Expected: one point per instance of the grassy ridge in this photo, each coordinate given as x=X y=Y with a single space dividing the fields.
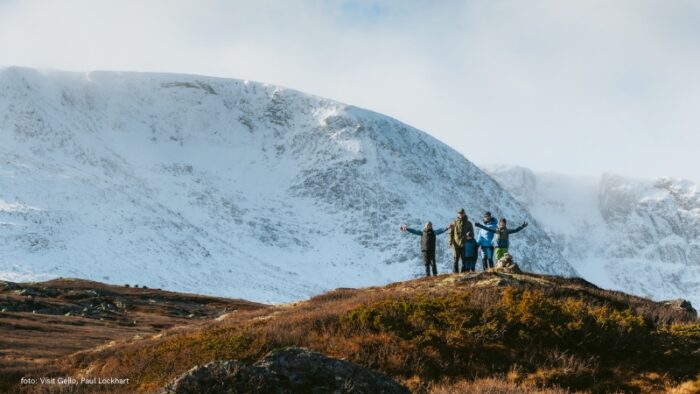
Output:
x=438 y=334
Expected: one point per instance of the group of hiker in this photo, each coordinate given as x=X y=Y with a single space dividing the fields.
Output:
x=492 y=239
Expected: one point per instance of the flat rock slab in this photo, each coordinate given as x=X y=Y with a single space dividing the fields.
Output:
x=292 y=370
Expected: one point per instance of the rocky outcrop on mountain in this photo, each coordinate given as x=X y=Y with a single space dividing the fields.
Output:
x=641 y=236
x=286 y=371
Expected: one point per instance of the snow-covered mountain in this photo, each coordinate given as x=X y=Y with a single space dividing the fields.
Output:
x=636 y=235
x=223 y=186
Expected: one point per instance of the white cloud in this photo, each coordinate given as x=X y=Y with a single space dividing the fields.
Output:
x=570 y=86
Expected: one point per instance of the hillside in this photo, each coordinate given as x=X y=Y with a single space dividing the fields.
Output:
x=43 y=321
x=452 y=333
x=641 y=236
x=224 y=187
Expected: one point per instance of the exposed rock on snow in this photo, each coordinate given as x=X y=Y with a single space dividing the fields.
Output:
x=635 y=235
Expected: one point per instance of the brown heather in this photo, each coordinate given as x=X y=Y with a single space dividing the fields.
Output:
x=490 y=333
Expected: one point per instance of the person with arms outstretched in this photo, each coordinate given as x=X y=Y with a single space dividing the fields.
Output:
x=427 y=244
x=485 y=240
x=500 y=240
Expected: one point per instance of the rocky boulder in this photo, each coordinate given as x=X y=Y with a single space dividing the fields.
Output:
x=506 y=264
x=681 y=304
x=285 y=371
x=225 y=377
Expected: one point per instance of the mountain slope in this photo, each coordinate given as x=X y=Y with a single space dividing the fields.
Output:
x=639 y=236
x=223 y=187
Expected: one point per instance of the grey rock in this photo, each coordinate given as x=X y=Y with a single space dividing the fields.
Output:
x=224 y=377
x=506 y=264
x=5 y=285
x=681 y=304
x=293 y=370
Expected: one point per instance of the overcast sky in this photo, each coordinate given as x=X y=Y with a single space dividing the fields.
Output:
x=564 y=86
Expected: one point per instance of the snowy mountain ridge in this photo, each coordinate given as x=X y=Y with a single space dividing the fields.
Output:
x=637 y=235
x=224 y=187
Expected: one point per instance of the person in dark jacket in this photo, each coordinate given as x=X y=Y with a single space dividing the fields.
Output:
x=458 y=235
x=500 y=240
x=485 y=240
x=471 y=254
x=427 y=244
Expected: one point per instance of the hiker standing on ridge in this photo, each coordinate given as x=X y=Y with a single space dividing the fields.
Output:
x=500 y=240
x=458 y=235
x=471 y=254
x=427 y=244
x=486 y=240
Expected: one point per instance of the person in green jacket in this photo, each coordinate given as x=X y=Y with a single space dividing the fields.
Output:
x=458 y=236
x=500 y=240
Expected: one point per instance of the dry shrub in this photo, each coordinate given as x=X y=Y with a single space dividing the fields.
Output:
x=688 y=387
x=491 y=386
x=427 y=332
x=564 y=369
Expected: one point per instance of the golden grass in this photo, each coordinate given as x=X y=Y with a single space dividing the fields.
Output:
x=443 y=335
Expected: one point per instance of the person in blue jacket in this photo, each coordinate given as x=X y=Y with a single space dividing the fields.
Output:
x=471 y=253
x=427 y=244
x=486 y=240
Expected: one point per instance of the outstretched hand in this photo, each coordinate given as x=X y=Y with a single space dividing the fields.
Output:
x=524 y=224
x=403 y=228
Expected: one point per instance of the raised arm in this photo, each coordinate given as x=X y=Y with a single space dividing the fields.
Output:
x=414 y=231
x=515 y=230
x=440 y=230
x=481 y=226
